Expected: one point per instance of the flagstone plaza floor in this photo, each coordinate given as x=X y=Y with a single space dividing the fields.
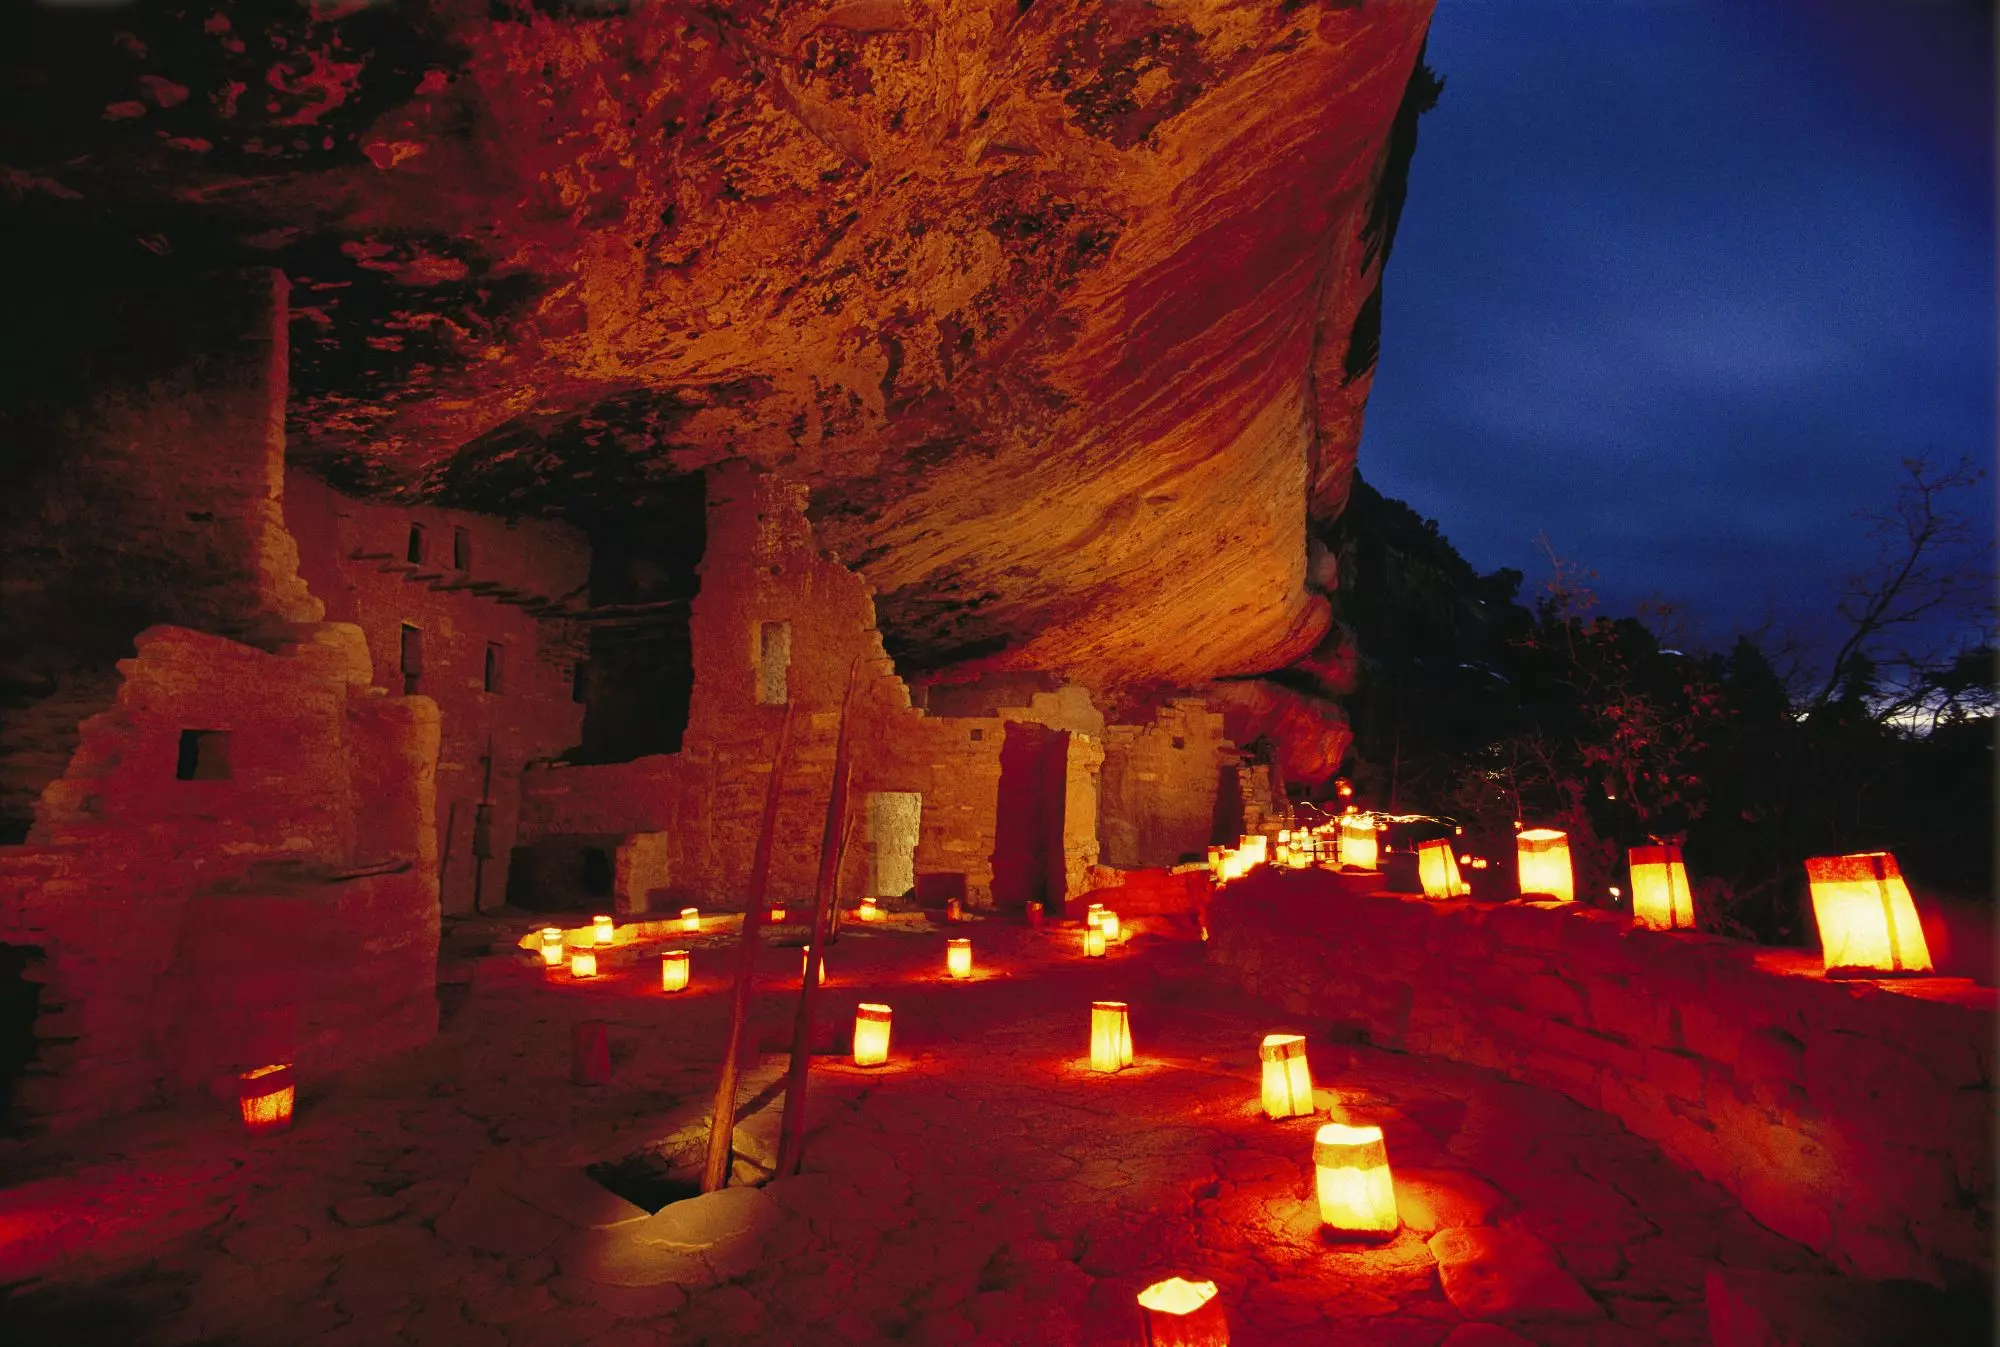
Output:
x=984 y=1186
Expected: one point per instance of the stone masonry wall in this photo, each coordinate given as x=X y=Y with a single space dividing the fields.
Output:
x=1159 y=784
x=354 y=554
x=1855 y=1117
x=763 y=565
x=147 y=494
x=283 y=908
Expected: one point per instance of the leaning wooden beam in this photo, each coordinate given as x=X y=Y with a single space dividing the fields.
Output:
x=722 y=1125
x=826 y=896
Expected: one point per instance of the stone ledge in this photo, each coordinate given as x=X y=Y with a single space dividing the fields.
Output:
x=1854 y=1116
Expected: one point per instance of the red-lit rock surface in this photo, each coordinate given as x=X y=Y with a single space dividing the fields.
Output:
x=1066 y=312
x=1857 y=1117
x=983 y=1187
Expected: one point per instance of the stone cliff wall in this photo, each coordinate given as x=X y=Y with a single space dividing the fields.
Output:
x=1854 y=1117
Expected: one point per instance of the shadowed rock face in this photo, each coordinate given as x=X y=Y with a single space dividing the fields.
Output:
x=1061 y=309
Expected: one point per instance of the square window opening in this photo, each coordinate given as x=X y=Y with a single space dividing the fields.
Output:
x=203 y=756
x=415 y=552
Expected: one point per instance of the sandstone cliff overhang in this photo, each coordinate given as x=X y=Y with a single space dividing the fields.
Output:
x=1064 y=311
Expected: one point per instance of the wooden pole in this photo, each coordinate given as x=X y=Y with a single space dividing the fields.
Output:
x=832 y=850
x=722 y=1126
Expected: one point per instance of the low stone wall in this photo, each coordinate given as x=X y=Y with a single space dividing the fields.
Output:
x=1854 y=1117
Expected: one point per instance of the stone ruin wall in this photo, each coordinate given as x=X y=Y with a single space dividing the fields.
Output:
x=354 y=555
x=705 y=804
x=1159 y=786
x=193 y=929
x=1854 y=1117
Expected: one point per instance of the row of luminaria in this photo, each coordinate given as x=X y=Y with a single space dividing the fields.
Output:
x=1867 y=920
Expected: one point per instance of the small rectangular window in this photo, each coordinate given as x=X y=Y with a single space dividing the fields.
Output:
x=204 y=756
x=1179 y=742
x=461 y=549
x=579 y=682
x=411 y=659
x=774 y=662
x=415 y=553
x=493 y=658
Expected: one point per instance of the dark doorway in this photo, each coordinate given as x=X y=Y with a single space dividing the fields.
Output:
x=1028 y=826
x=1228 y=828
x=571 y=873
x=20 y=1003
x=596 y=872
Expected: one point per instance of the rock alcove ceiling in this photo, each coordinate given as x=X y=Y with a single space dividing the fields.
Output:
x=1065 y=312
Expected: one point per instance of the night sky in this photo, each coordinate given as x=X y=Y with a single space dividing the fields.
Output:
x=1681 y=283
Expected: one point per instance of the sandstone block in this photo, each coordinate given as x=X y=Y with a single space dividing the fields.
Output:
x=1507 y=1274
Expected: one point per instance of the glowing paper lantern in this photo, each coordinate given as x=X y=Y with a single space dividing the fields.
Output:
x=602 y=929
x=1438 y=869
x=1093 y=942
x=868 y=910
x=674 y=970
x=1179 y=1313
x=1351 y=1174
x=1288 y=1082
x=1867 y=920
x=583 y=963
x=266 y=1096
x=1543 y=855
x=805 y=963
x=1094 y=914
x=1256 y=850
x=958 y=958
x=1034 y=913
x=954 y=909
x=552 y=946
x=1660 y=895
x=1357 y=841
x=1107 y=922
x=1110 y=1036
x=691 y=919
x=871 y=1034
x=777 y=913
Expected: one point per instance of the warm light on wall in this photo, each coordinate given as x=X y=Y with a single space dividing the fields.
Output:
x=1093 y=942
x=674 y=970
x=871 y=1034
x=266 y=1096
x=583 y=963
x=1351 y=1174
x=1288 y=1082
x=552 y=946
x=1179 y=1313
x=691 y=919
x=1543 y=858
x=1660 y=895
x=1357 y=841
x=958 y=958
x=602 y=930
x=1867 y=920
x=1438 y=869
x=1110 y=1036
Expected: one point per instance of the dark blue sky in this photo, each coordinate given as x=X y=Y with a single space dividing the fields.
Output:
x=1681 y=282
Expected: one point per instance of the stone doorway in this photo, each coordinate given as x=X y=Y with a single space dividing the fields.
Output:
x=895 y=819
x=20 y=1003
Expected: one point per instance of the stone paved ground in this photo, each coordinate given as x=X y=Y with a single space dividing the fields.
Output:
x=983 y=1187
